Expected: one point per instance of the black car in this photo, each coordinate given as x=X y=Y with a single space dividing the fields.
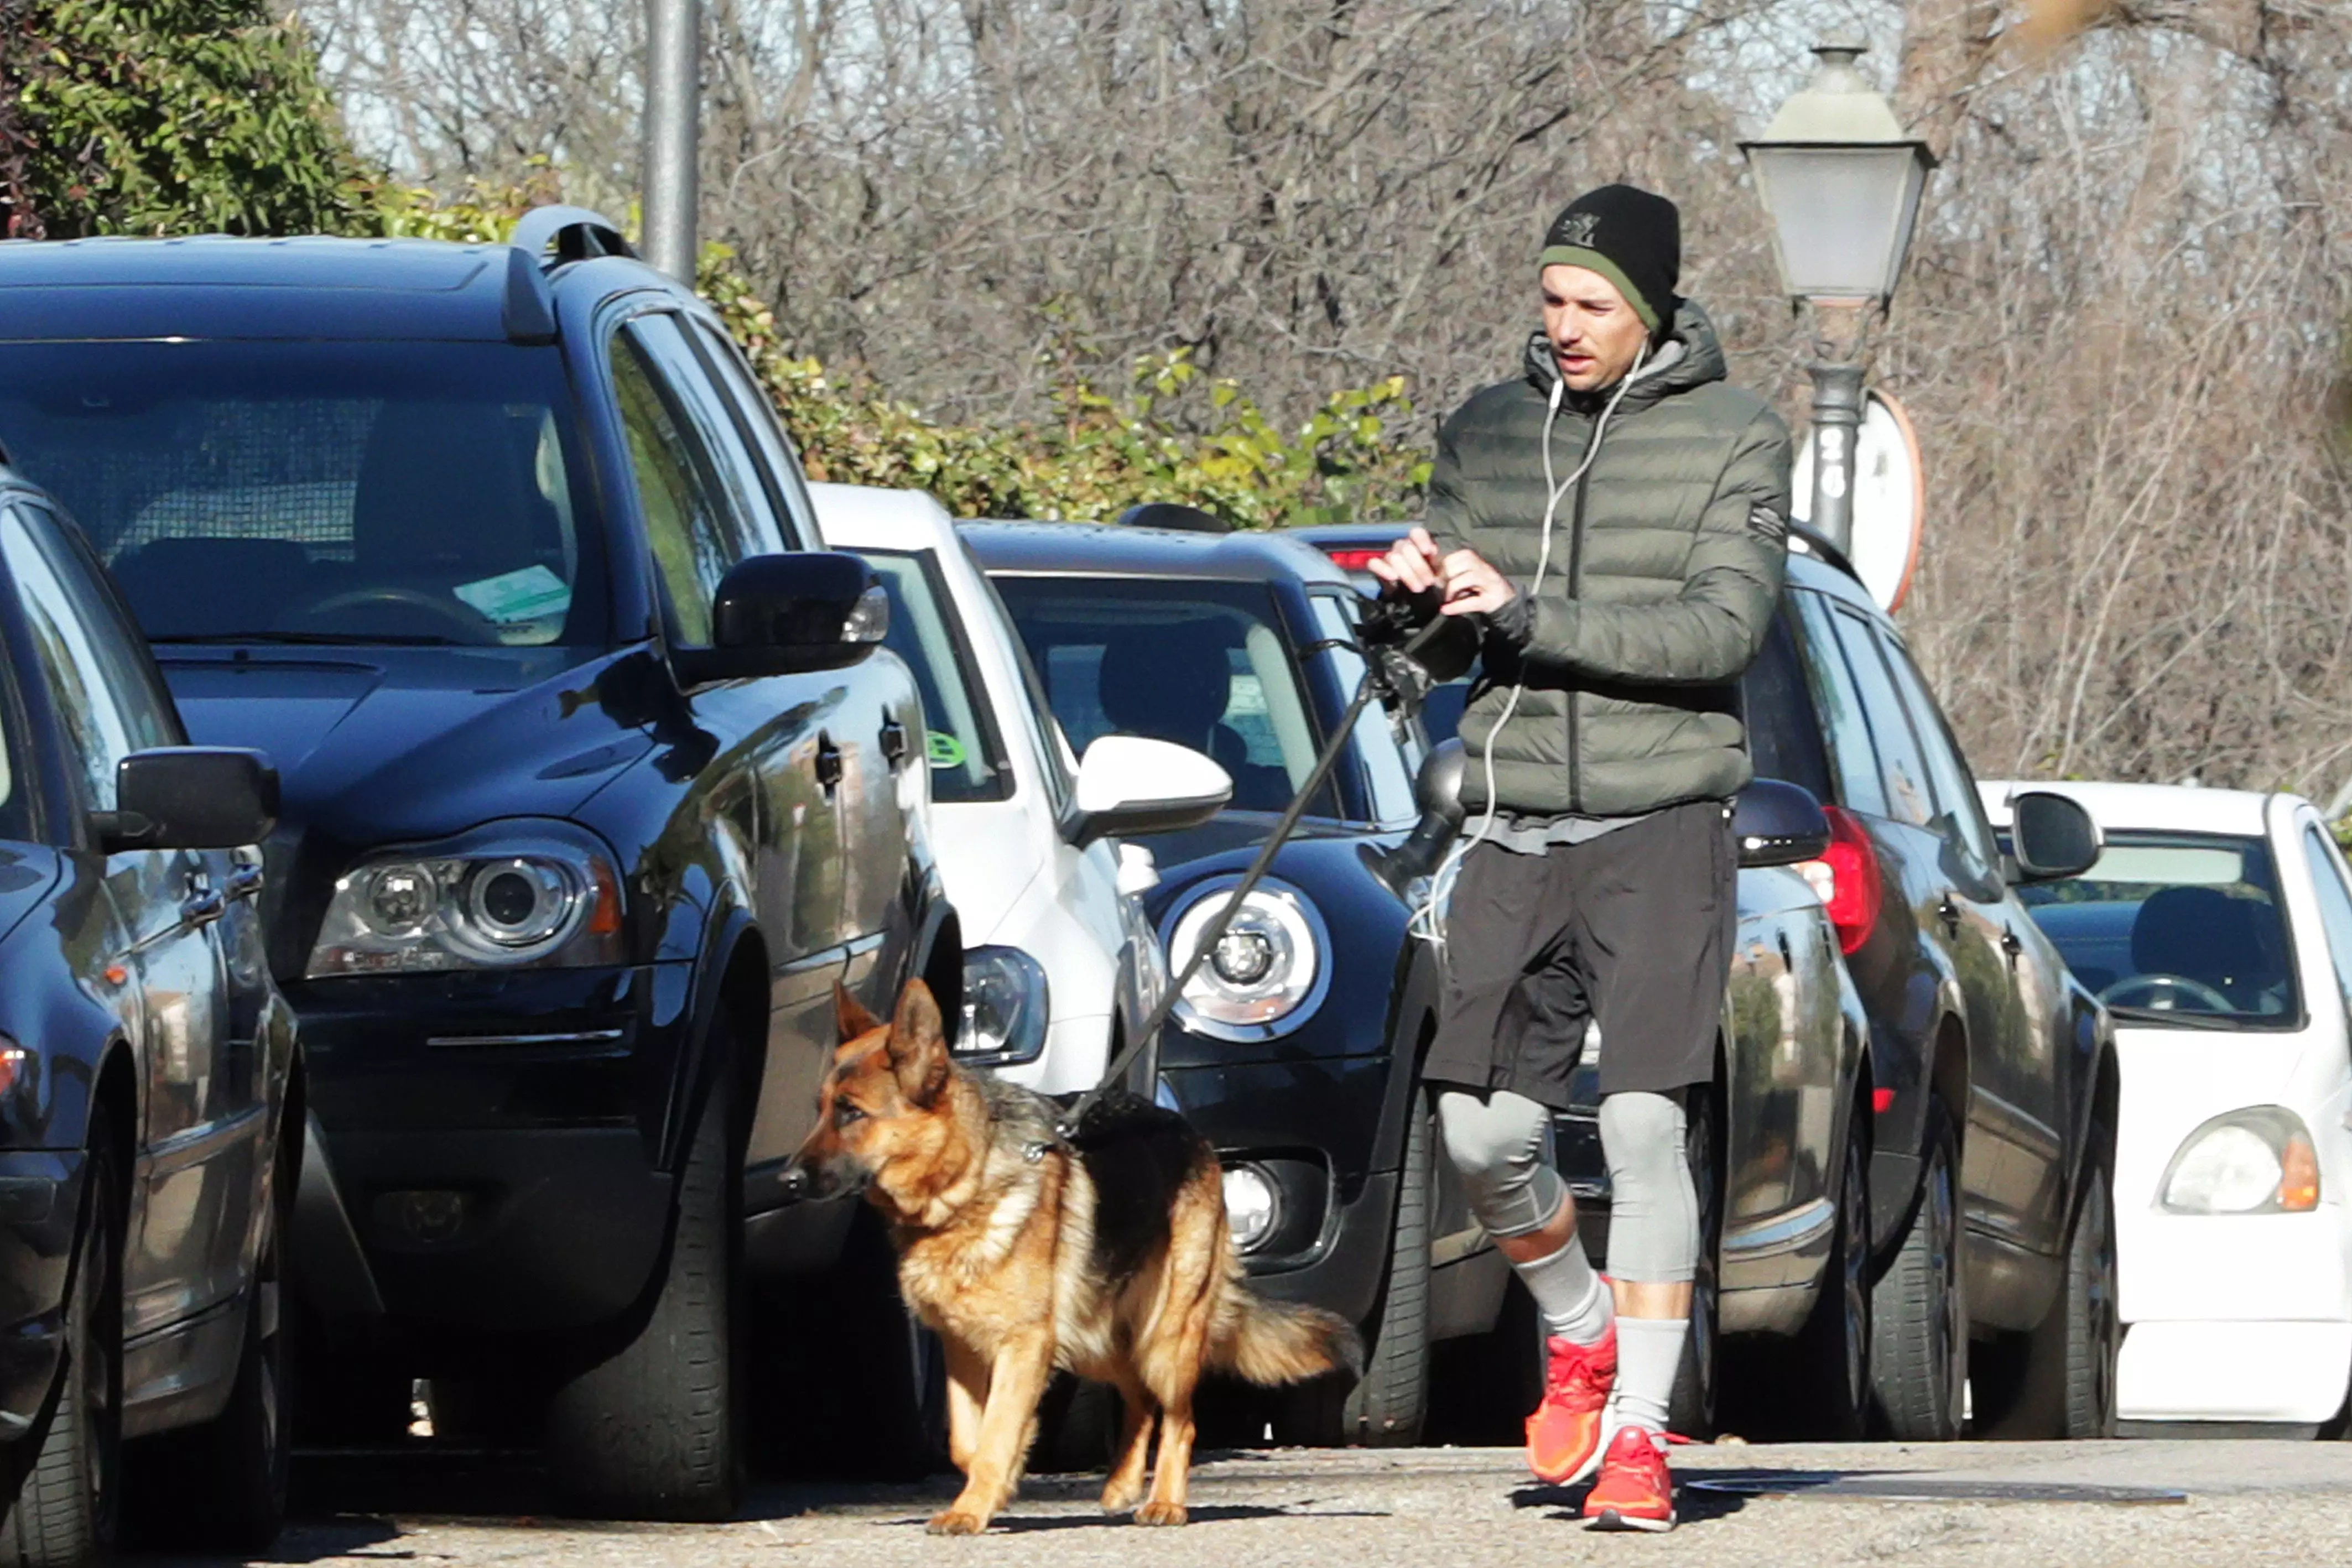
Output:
x=151 y=1096
x=595 y=788
x=1993 y=1070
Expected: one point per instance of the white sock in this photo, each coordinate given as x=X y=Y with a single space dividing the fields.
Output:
x=1649 y=1354
x=1572 y=1300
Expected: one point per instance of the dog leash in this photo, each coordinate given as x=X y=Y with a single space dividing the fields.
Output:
x=1287 y=824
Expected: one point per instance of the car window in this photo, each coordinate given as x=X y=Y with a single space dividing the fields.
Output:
x=746 y=514
x=81 y=660
x=1901 y=769
x=1956 y=800
x=1387 y=778
x=2335 y=906
x=2164 y=926
x=1203 y=665
x=360 y=492
x=961 y=743
x=685 y=528
x=1852 y=757
x=1783 y=740
x=131 y=672
x=1059 y=763
x=757 y=414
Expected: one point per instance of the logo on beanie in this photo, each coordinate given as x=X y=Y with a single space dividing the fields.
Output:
x=1576 y=229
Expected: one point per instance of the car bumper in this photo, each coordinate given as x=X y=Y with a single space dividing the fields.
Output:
x=2245 y=1371
x=492 y=1142
x=41 y=1209
x=1313 y=1129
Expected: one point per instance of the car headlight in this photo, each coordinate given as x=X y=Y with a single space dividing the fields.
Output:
x=2259 y=1160
x=1004 y=1008
x=1268 y=970
x=512 y=895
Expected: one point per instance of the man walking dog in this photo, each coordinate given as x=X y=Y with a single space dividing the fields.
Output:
x=1609 y=532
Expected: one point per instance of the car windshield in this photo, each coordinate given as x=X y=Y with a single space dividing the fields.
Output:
x=966 y=757
x=1203 y=665
x=422 y=492
x=2177 y=928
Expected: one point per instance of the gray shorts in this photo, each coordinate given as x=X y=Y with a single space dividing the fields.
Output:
x=1632 y=929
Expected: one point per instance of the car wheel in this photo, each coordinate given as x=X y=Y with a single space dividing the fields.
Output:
x=1692 y=1408
x=221 y=1486
x=650 y=1433
x=1918 y=1314
x=64 y=1515
x=2061 y=1381
x=1835 y=1341
x=1388 y=1404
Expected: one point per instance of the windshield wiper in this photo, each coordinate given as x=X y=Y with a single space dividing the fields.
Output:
x=317 y=639
x=2177 y=1018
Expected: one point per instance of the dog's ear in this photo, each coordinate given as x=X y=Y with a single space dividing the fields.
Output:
x=849 y=1015
x=919 y=1045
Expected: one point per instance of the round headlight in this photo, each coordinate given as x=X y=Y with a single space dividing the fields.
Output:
x=519 y=903
x=399 y=897
x=1266 y=970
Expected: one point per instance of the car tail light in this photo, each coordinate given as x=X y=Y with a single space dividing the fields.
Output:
x=1353 y=559
x=1846 y=879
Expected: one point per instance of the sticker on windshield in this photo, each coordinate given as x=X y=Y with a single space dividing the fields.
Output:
x=944 y=750
x=534 y=593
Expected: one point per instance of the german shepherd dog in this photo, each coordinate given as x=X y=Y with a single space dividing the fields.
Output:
x=1024 y=1253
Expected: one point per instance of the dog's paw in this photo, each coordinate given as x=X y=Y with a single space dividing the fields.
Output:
x=1118 y=1499
x=956 y=1521
x=1160 y=1513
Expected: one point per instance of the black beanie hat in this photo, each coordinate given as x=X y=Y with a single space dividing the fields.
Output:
x=1631 y=238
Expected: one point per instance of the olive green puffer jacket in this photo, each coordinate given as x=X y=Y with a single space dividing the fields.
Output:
x=1666 y=561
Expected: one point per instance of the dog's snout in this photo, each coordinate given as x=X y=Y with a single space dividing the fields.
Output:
x=797 y=1183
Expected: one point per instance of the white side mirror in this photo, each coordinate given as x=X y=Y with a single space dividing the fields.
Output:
x=1128 y=784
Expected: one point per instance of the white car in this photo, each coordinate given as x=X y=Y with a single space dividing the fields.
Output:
x=2216 y=926
x=1061 y=966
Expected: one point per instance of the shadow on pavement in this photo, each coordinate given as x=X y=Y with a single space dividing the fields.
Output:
x=1693 y=1504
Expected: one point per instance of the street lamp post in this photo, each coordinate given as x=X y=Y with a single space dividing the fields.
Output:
x=1841 y=180
x=673 y=91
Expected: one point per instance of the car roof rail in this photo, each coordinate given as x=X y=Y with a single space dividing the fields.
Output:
x=576 y=233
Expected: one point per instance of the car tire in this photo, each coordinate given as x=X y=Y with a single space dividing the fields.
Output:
x=65 y=1512
x=651 y=1432
x=1388 y=1404
x=1918 y=1311
x=1834 y=1345
x=221 y=1486
x=2061 y=1381
x=1692 y=1408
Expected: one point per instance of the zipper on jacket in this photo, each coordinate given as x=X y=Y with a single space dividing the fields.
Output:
x=1575 y=593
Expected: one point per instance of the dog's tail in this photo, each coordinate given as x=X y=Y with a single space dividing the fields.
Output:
x=1273 y=1343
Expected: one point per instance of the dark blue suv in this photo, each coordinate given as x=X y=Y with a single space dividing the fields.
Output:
x=595 y=785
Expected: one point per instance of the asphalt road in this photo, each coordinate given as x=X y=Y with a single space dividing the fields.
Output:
x=2186 y=1503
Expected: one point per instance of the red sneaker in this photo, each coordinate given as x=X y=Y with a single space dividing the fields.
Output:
x=1636 y=1491
x=1564 y=1433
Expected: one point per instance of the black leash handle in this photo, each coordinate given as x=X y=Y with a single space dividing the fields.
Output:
x=1211 y=934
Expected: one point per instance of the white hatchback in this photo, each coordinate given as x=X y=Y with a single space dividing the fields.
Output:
x=2216 y=926
x=1061 y=966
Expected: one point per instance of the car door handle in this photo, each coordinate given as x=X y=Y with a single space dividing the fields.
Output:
x=894 y=741
x=2011 y=945
x=829 y=763
x=1950 y=911
x=245 y=882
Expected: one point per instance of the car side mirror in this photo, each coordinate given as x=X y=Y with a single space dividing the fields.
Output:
x=2051 y=836
x=1776 y=823
x=1437 y=790
x=783 y=615
x=189 y=797
x=1128 y=785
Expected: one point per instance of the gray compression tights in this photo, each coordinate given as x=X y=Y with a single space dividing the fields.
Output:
x=1501 y=1143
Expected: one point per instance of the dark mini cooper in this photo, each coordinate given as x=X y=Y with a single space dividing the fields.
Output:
x=595 y=785
x=150 y=1097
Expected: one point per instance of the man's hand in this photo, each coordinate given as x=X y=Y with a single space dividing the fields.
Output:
x=1412 y=563
x=1472 y=586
